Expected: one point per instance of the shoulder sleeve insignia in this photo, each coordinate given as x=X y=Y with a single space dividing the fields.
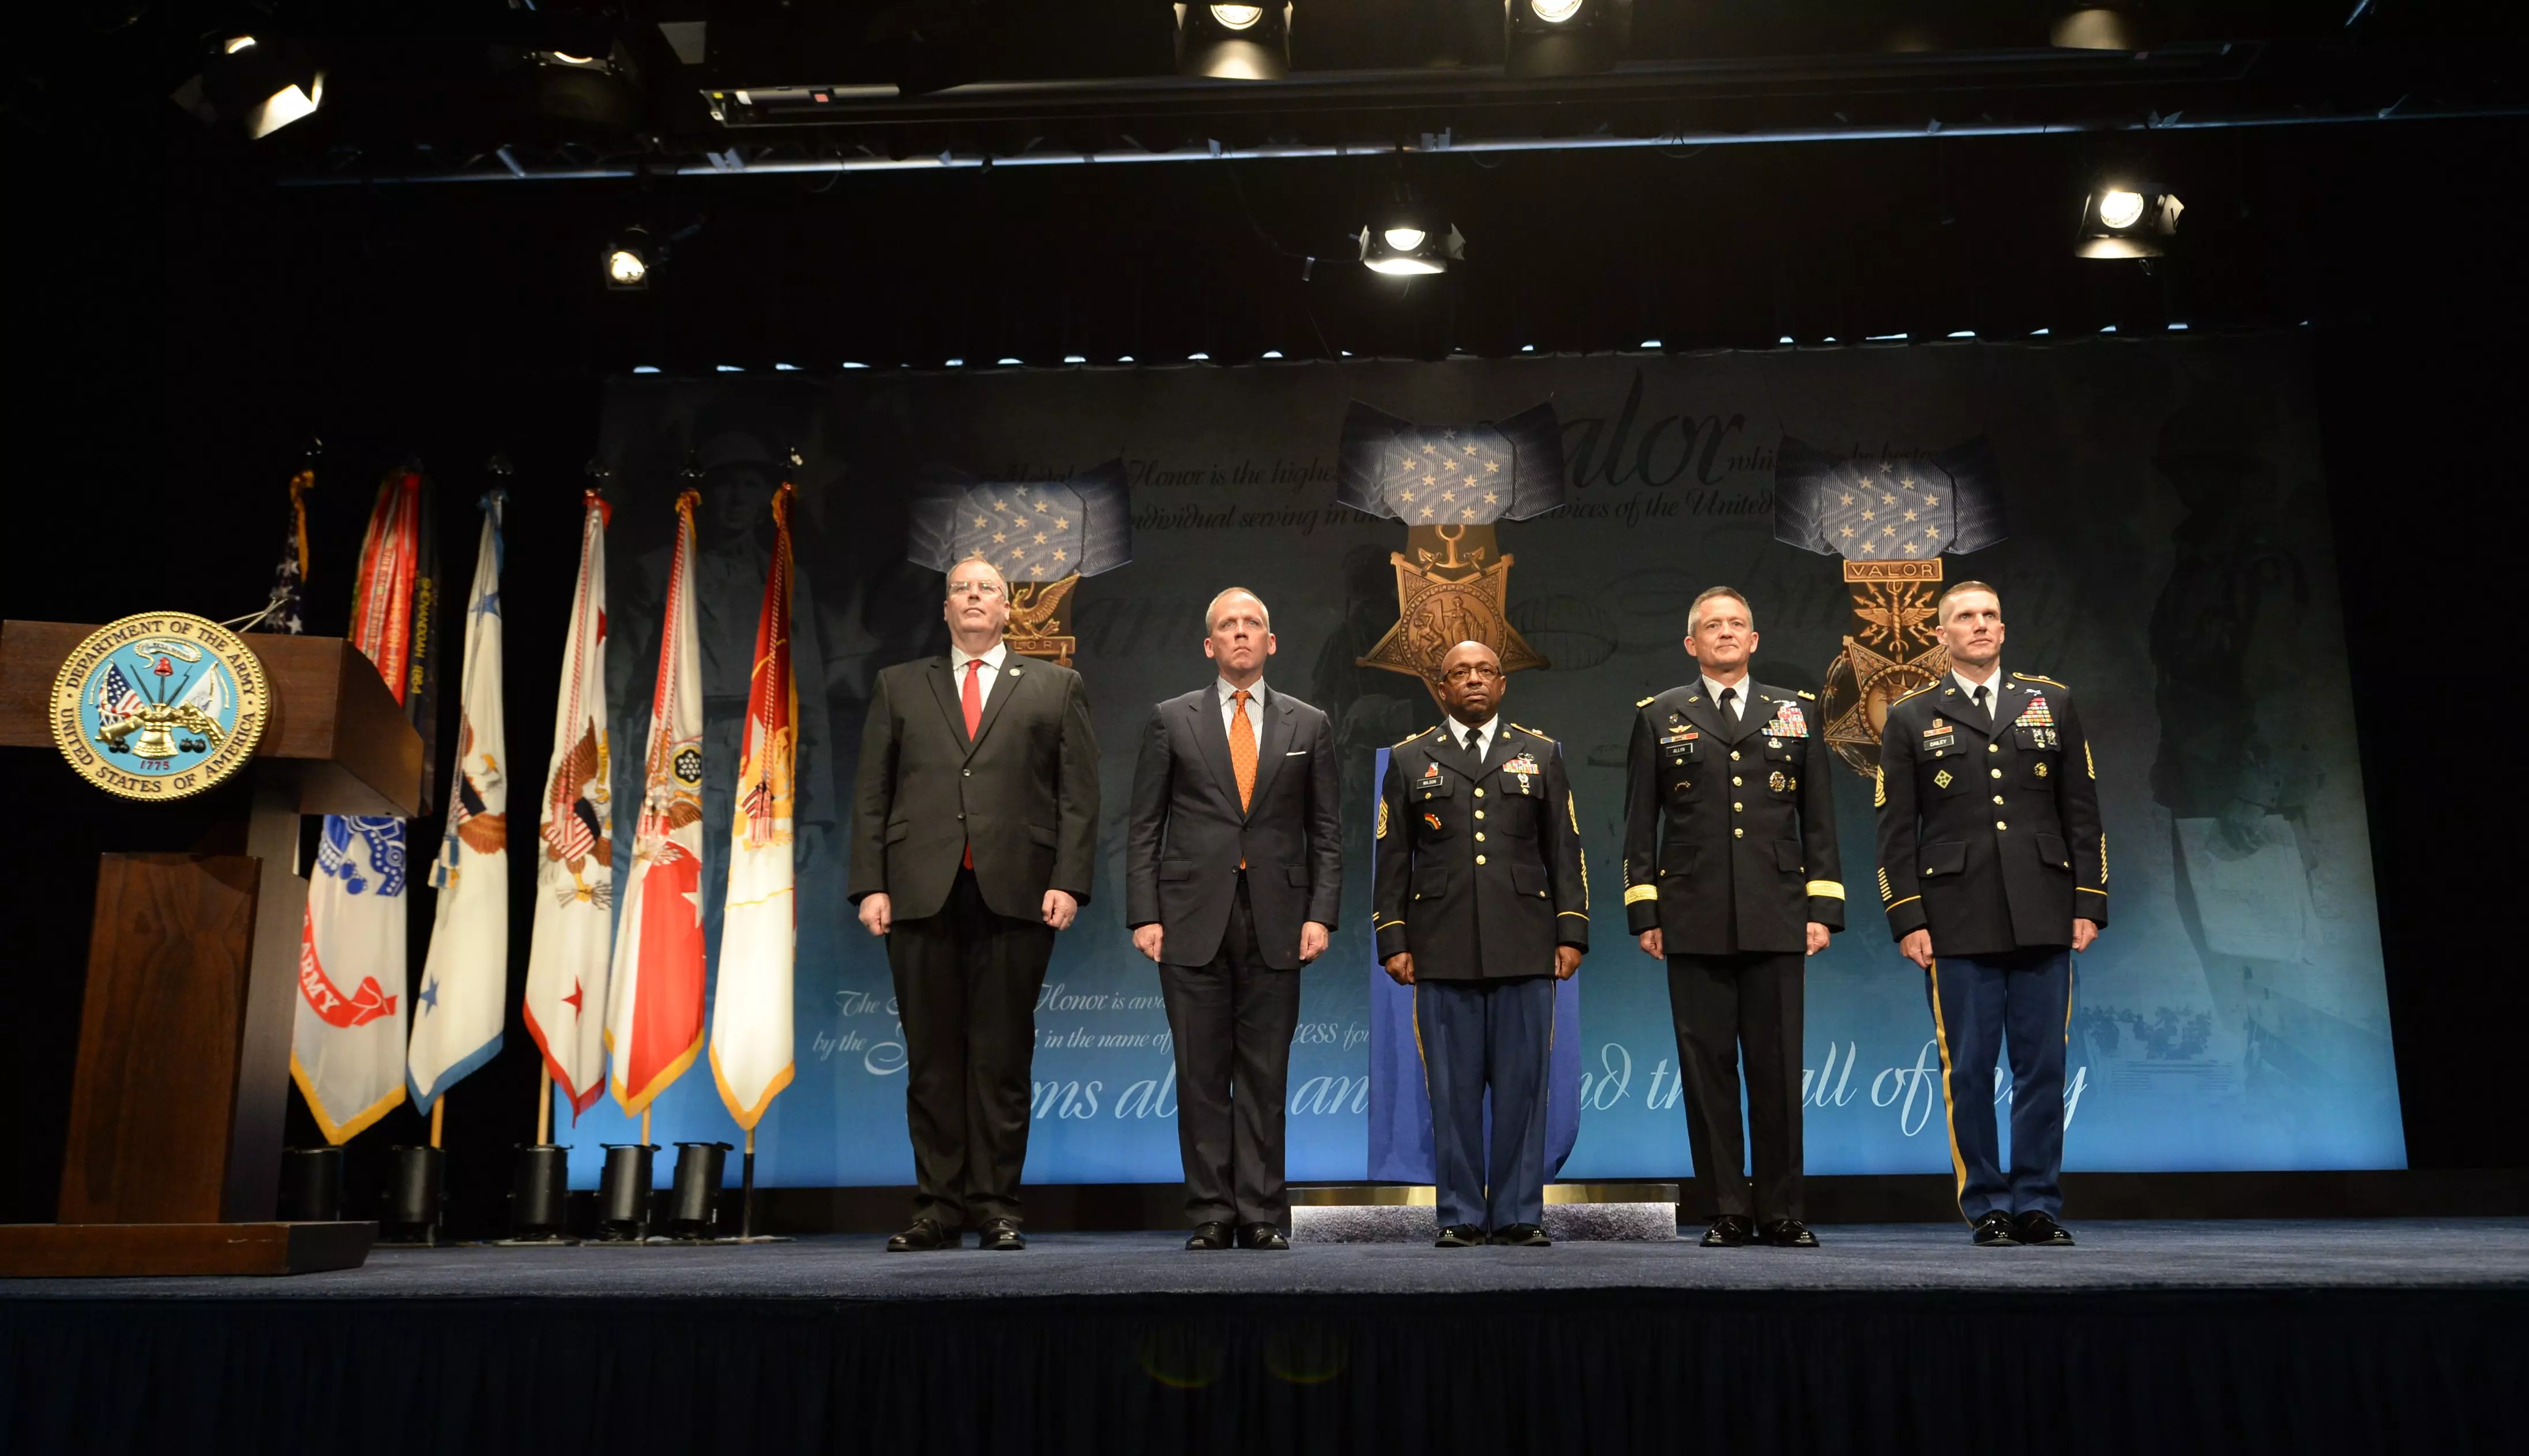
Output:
x=1647 y=702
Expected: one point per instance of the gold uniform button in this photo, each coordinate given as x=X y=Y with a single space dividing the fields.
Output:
x=1997 y=798
x=1481 y=813
x=1480 y=794
x=2000 y=826
x=1733 y=755
x=1479 y=834
x=1989 y=748
x=1737 y=834
x=1733 y=781
x=1479 y=859
x=1738 y=808
x=1997 y=772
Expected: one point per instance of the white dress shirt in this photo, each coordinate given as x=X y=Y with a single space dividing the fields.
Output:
x=1992 y=688
x=959 y=657
x=1738 y=704
x=1483 y=734
x=1254 y=703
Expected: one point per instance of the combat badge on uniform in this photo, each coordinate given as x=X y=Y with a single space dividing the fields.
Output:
x=159 y=706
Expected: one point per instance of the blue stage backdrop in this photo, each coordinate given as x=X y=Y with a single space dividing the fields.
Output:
x=2167 y=554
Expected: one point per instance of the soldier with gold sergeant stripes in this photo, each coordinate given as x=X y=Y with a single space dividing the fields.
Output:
x=1482 y=903
x=1993 y=869
x=1732 y=879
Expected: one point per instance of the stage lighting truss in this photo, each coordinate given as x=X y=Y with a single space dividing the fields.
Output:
x=1409 y=242
x=255 y=83
x=1234 y=43
x=1563 y=38
x=630 y=257
x=2124 y=218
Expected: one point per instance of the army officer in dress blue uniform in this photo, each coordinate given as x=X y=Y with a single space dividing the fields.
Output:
x=1993 y=869
x=1482 y=903
x=1731 y=878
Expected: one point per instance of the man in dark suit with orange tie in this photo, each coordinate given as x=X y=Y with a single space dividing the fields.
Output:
x=1233 y=874
x=973 y=829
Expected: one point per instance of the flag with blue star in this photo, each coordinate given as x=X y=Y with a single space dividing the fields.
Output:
x=1453 y=475
x=1034 y=531
x=458 y=1012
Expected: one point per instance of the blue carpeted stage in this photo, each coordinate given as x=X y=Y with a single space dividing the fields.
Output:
x=2149 y=1337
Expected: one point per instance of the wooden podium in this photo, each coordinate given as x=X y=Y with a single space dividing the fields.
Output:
x=173 y=1162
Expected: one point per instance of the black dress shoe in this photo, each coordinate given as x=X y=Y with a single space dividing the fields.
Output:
x=1000 y=1236
x=2040 y=1231
x=1728 y=1231
x=1459 y=1236
x=1523 y=1236
x=923 y=1236
x=1209 y=1235
x=1993 y=1232
x=1787 y=1233
x=1261 y=1236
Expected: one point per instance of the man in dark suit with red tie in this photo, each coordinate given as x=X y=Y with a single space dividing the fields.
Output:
x=973 y=829
x=1233 y=874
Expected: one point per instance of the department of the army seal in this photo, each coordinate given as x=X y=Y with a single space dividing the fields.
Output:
x=159 y=706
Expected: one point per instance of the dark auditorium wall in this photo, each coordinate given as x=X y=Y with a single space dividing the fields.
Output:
x=178 y=328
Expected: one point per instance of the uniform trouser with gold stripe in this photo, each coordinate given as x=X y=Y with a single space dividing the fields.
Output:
x=1979 y=1003
x=1727 y=1007
x=1483 y=1037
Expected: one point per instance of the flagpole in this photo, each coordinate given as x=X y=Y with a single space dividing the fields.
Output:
x=438 y=1116
x=645 y=1127
x=746 y=1198
x=544 y=1105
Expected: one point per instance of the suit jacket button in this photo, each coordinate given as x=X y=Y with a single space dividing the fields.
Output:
x=1479 y=859
x=968 y=772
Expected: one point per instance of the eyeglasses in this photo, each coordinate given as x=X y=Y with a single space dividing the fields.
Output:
x=1476 y=672
x=986 y=589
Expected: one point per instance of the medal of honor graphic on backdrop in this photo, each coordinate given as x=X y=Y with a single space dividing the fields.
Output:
x=159 y=706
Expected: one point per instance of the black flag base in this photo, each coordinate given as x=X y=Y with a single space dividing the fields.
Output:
x=416 y=1200
x=540 y=1198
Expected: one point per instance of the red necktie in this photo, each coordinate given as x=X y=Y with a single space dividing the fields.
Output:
x=971 y=698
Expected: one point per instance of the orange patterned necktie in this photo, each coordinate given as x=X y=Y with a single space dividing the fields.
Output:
x=1242 y=750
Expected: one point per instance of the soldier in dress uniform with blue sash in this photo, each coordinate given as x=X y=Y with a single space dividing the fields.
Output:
x=1482 y=903
x=1994 y=870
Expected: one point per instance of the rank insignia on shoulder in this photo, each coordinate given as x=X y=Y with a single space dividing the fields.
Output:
x=1805 y=692
x=1694 y=697
x=1647 y=702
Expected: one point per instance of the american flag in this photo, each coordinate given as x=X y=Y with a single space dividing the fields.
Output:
x=114 y=697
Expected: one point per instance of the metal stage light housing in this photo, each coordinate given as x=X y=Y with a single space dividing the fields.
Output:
x=2127 y=219
x=1234 y=43
x=2112 y=26
x=1563 y=38
x=255 y=83
x=629 y=258
x=1411 y=243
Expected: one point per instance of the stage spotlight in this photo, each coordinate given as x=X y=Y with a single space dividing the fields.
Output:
x=2086 y=26
x=1563 y=38
x=1234 y=43
x=2124 y=219
x=1411 y=243
x=257 y=84
x=629 y=257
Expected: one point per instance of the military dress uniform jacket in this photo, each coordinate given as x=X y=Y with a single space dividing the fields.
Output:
x=1479 y=869
x=1730 y=827
x=1990 y=836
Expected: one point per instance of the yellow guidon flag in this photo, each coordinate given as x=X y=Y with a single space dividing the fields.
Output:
x=751 y=1034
